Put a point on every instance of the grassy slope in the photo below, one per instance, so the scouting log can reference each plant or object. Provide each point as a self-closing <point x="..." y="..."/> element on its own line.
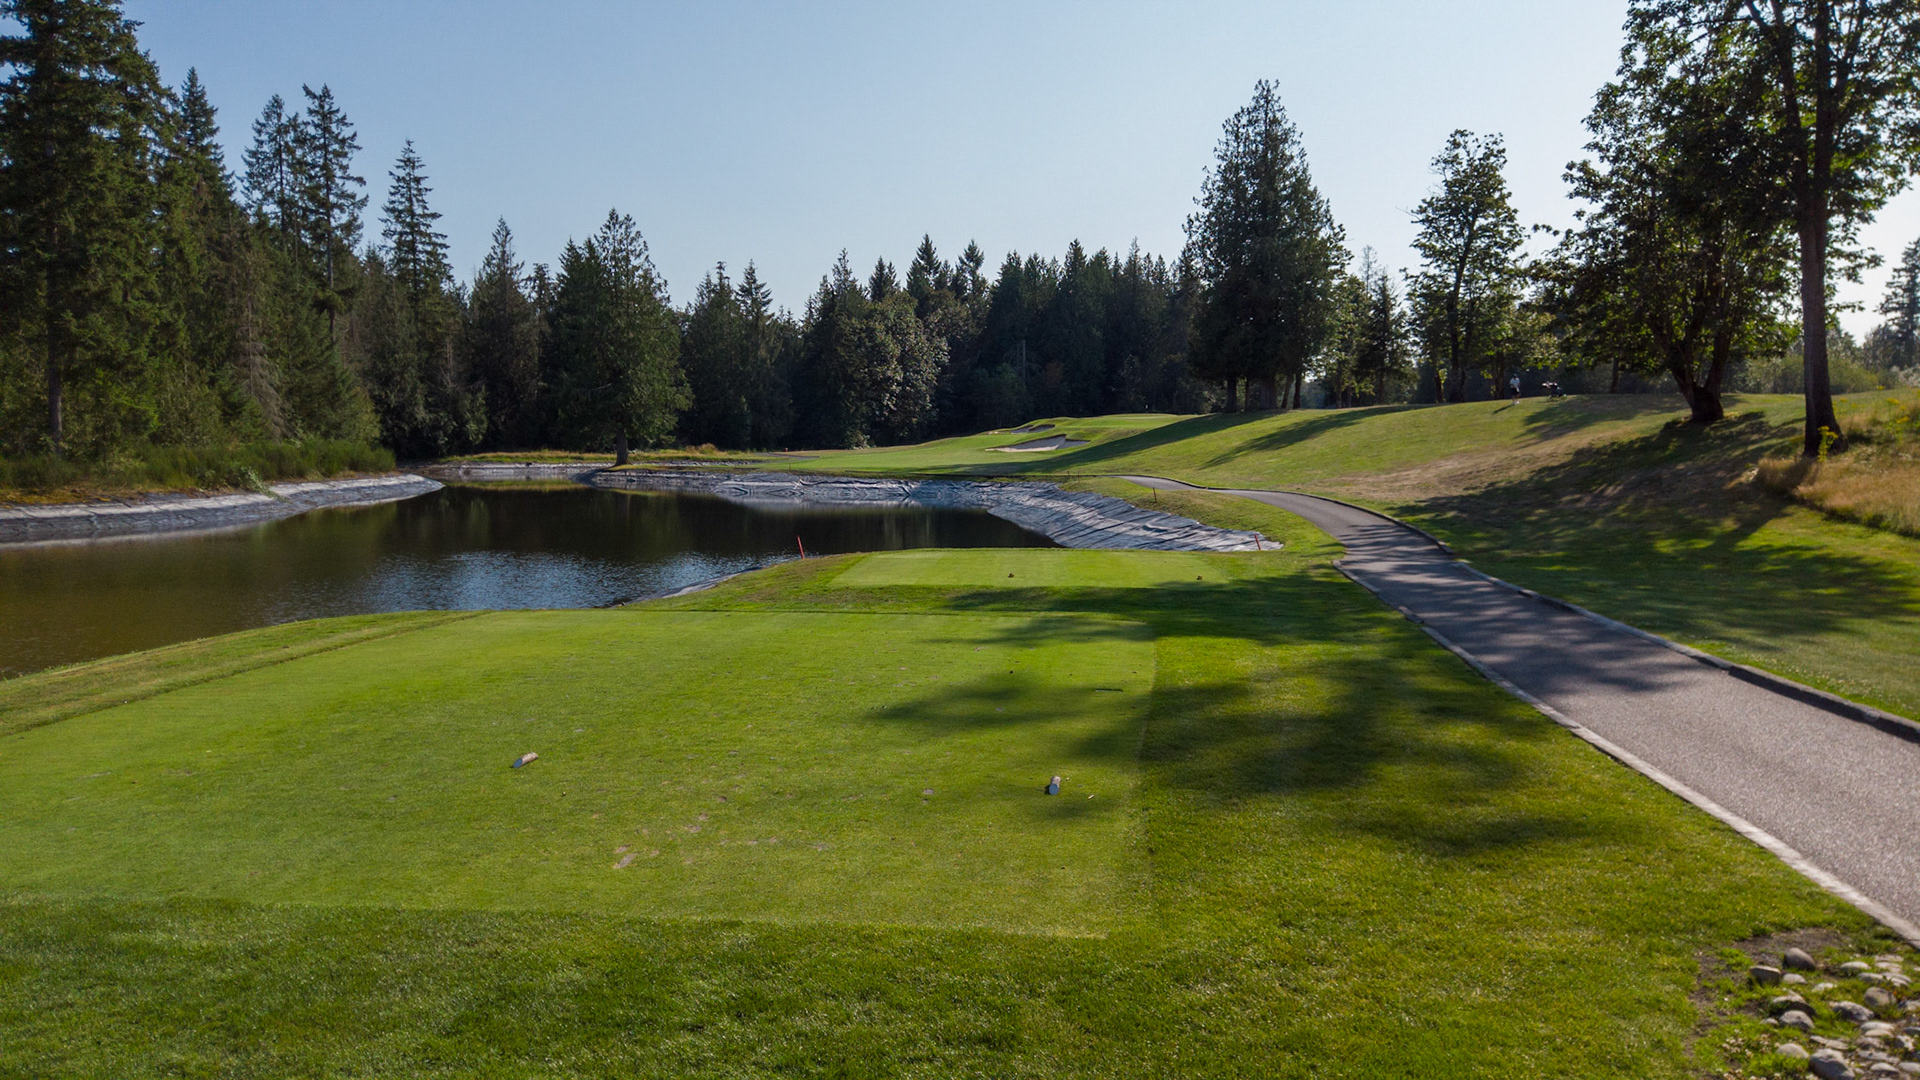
<point x="1348" y="856"/>
<point x="1608" y="502"/>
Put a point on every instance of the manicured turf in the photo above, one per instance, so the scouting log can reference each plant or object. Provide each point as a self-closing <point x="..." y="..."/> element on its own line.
<point x="1344" y="854"/>
<point x="1016" y="568"/>
<point x="1611" y="502"/>
<point x="723" y="753"/>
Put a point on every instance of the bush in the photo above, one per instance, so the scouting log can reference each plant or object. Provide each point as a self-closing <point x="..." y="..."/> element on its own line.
<point x="248" y="466"/>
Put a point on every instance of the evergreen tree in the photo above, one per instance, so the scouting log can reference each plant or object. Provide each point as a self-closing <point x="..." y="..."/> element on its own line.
<point x="201" y="397"/>
<point x="615" y="343"/>
<point x="328" y="200"/>
<point x="1268" y="254"/>
<point x="713" y="352"/>
<point x="771" y="342"/>
<point x="273" y="179"/>
<point x="78" y="116"/>
<point x="417" y="252"/>
<point x="927" y="279"/>
<point x="1470" y="239"/>
<point x="501" y="341"/>
<point x="1901" y="306"/>
<point x="883" y="282"/>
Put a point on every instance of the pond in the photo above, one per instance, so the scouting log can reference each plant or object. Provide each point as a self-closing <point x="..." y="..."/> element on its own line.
<point x="460" y="548"/>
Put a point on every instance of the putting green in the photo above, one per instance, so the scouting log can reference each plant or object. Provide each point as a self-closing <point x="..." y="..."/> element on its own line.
<point x="783" y="766"/>
<point x="1026" y="568"/>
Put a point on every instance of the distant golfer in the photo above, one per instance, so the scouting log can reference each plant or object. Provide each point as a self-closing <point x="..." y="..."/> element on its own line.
<point x="1515" y="383"/>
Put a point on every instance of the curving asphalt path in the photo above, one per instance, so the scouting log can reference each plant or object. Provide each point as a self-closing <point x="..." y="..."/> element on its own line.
<point x="1835" y="796"/>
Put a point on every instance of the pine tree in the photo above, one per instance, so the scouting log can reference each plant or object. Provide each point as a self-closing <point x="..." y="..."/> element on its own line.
<point x="502" y="346"/>
<point x="203" y="396"/>
<point x="883" y="282"/>
<point x="417" y="253"/>
<point x="329" y="204"/>
<point x="1267" y="251"/>
<point x="78" y="116"/>
<point x="713" y="352"/>
<point x="273" y="172"/>
<point x="615" y="343"/>
<point x="1901" y="306"/>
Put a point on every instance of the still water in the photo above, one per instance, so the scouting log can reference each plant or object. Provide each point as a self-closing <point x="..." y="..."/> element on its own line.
<point x="462" y="547"/>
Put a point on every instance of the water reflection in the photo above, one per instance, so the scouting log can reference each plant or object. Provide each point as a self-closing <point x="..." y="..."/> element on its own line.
<point x="473" y="546"/>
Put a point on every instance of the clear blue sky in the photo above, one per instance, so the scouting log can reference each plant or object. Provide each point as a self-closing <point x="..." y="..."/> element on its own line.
<point x="782" y="133"/>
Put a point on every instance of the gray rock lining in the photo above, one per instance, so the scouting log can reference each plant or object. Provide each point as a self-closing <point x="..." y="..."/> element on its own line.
<point x="22" y="524"/>
<point x="1074" y="519"/>
<point x="512" y="470"/>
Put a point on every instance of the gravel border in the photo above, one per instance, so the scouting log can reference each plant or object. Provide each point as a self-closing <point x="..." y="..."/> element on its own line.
<point x="154" y="514"/>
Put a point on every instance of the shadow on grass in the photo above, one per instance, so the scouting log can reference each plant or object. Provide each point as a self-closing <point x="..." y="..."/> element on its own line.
<point x="1670" y="521"/>
<point x="1404" y="741"/>
<point x="1563" y="416"/>
<point x="1086" y="456"/>
<point x="1293" y="434"/>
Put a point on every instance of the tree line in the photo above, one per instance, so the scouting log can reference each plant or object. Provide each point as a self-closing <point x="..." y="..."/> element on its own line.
<point x="153" y="293"/>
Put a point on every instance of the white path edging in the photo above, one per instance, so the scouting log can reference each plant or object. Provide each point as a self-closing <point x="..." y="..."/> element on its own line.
<point x="1073" y="519"/>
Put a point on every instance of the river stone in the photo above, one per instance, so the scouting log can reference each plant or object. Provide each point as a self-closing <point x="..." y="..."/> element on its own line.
<point x="1794" y="978"/>
<point x="1829" y="1065"/>
<point x="1786" y="1001"/>
<point x="1764" y="975"/>
<point x="1878" y="998"/>
<point x="1852" y="1011"/>
<point x="1791" y="1050"/>
<point x="1795" y="1018"/>
<point x="1910" y="1068"/>
<point x="1797" y="960"/>
<point x="1855" y="967"/>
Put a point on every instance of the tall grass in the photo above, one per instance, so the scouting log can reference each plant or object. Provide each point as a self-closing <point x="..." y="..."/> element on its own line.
<point x="1876" y="482"/>
<point x="246" y="466"/>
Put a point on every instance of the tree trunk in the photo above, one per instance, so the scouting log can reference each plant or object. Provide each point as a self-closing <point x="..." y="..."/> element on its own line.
<point x="1299" y="383"/>
<point x="1613" y="384"/>
<point x="620" y="449"/>
<point x="1233" y="393"/>
<point x="1266" y="396"/>
<point x="56" y="394"/>
<point x="1813" y="335"/>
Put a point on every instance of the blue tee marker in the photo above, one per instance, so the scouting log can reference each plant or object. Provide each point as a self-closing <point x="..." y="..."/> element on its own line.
<point x="1053" y="786"/>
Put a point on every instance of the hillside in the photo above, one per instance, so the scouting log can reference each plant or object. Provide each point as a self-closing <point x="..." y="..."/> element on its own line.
<point x="1611" y="502"/>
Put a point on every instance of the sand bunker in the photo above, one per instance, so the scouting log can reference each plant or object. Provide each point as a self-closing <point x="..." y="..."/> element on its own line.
<point x="1051" y="442"/>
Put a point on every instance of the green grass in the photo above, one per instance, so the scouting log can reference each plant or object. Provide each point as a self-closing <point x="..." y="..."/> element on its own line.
<point x="1610" y="502"/>
<point x="1318" y="846"/>
<point x="750" y="750"/>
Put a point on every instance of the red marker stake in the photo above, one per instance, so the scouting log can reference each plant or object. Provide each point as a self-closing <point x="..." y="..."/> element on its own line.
<point x="803" y="547"/>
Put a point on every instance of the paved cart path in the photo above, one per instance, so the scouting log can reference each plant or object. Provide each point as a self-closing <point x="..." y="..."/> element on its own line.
<point x="1842" y="793"/>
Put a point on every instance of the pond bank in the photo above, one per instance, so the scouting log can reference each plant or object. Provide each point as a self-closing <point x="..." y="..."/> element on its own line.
<point x="1073" y="519"/>
<point x="174" y="513"/>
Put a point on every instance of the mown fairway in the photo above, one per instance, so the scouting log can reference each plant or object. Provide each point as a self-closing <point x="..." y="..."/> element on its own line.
<point x="1318" y="846"/>
<point x="1611" y="502"/>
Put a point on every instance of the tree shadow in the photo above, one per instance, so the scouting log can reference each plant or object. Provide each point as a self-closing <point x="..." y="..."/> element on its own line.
<point x="1099" y="452"/>
<point x="1669" y="525"/>
<point x="1564" y="416"/>
<point x="1288" y="435"/>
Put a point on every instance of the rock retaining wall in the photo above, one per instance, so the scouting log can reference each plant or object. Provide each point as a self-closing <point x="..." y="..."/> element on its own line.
<point x="174" y="513"/>
<point x="1074" y="519"/>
